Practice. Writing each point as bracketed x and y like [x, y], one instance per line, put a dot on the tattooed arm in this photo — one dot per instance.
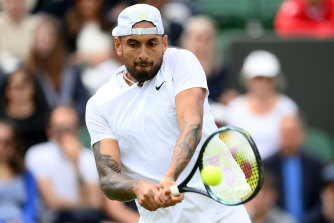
[189, 110]
[117, 186]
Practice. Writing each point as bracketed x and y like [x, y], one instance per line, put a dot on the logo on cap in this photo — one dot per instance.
[142, 16]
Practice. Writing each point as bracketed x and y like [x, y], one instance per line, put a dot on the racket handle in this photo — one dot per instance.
[175, 190]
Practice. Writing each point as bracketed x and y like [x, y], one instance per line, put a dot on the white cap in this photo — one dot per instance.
[261, 63]
[137, 13]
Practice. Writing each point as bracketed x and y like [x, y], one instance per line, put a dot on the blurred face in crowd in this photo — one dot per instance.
[261, 85]
[16, 9]
[20, 88]
[63, 121]
[89, 8]
[200, 38]
[142, 54]
[291, 135]
[46, 37]
[6, 142]
[327, 197]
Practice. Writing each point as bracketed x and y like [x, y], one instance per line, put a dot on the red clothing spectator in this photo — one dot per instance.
[312, 18]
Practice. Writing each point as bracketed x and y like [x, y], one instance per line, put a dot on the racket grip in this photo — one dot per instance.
[175, 190]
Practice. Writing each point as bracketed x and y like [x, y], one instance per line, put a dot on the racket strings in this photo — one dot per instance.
[231, 152]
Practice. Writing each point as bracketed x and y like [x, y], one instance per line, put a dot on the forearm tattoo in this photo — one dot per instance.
[187, 142]
[115, 185]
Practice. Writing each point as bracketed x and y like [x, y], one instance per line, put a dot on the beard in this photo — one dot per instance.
[144, 75]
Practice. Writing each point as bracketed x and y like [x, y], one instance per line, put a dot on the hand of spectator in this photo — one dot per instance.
[71, 147]
[147, 195]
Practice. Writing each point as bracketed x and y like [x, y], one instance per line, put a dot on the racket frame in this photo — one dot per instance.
[182, 187]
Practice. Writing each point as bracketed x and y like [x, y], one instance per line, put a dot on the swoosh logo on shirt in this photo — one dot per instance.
[158, 87]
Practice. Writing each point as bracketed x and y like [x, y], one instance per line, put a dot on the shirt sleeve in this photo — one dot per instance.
[34, 159]
[97, 125]
[187, 71]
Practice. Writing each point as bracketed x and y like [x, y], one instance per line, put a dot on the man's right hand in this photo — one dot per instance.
[147, 195]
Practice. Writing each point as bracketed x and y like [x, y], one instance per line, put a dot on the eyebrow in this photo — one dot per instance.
[134, 40]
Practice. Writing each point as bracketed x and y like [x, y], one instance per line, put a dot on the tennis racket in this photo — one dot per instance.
[234, 152]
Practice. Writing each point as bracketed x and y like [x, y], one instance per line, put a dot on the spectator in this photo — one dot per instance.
[120, 211]
[65, 171]
[175, 15]
[100, 60]
[18, 192]
[325, 212]
[82, 15]
[261, 109]
[263, 208]
[17, 28]
[298, 172]
[23, 102]
[200, 37]
[60, 82]
[305, 18]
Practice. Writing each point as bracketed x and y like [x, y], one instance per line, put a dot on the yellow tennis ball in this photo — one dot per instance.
[211, 175]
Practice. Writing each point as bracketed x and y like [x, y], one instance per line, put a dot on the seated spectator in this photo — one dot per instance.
[65, 171]
[175, 15]
[47, 61]
[22, 102]
[305, 18]
[18, 192]
[263, 106]
[262, 208]
[298, 173]
[17, 28]
[200, 37]
[120, 211]
[99, 57]
[325, 212]
[82, 15]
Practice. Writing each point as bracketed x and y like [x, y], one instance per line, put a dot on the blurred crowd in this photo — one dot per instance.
[54, 54]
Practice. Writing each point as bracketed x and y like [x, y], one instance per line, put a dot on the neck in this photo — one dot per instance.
[262, 103]
[5, 171]
[20, 110]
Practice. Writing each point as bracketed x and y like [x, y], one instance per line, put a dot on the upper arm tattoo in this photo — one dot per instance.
[105, 162]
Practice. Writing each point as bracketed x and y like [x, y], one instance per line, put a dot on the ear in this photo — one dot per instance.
[164, 42]
[118, 46]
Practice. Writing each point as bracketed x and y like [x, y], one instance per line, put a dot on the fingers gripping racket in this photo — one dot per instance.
[234, 152]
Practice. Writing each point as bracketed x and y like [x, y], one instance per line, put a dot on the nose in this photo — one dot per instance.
[143, 54]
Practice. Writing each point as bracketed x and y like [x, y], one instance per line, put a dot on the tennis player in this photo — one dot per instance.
[148, 122]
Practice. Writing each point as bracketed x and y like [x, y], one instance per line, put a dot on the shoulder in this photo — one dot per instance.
[41, 151]
[309, 159]
[237, 102]
[287, 104]
[109, 89]
[178, 55]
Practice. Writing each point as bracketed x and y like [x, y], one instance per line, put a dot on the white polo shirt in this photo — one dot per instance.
[143, 121]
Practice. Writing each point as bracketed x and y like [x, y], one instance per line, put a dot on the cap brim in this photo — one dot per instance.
[114, 32]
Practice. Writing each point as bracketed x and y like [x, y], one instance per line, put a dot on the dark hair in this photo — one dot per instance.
[53, 65]
[16, 161]
[68, 105]
[75, 20]
[38, 96]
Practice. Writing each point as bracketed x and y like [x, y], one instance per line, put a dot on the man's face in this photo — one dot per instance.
[142, 54]
[63, 121]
